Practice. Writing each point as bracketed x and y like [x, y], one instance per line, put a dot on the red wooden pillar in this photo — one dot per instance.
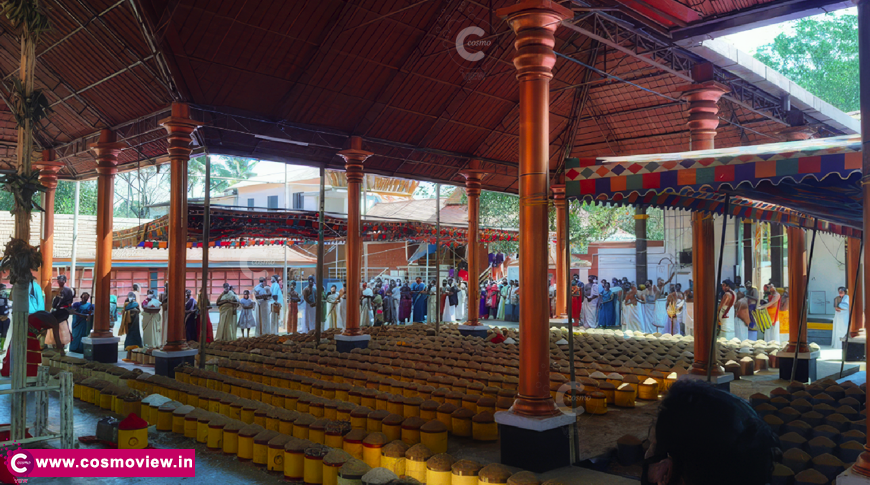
[562, 254]
[703, 121]
[180, 126]
[354, 157]
[472, 190]
[106, 150]
[535, 23]
[797, 281]
[48, 169]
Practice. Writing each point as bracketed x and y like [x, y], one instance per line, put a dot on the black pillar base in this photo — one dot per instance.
[806, 368]
[537, 450]
[856, 350]
[102, 350]
[473, 331]
[166, 362]
[345, 343]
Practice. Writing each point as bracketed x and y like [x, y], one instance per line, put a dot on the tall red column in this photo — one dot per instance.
[534, 22]
[797, 281]
[862, 465]
[856, 297]
[562, 254]
[354, 157]
[704, 278]
[106, 150]
[180, 126]
[48, 169]
[703, 121]
[472, 190]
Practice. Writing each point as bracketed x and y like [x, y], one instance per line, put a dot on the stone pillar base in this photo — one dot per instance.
[856, 350]
[166, 362]
[722, 382]
[535, 444]
[806, 366]
[849, 477]
[473, 330]
[346, 343]
[103, 350]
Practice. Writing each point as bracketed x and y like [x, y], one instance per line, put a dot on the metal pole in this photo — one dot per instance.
[715, 332]
[803, 313]
[318, 312]
[285, 306]
[203, 297]
[568, 307]
[851, 308]
[75, 236]
[437, 260]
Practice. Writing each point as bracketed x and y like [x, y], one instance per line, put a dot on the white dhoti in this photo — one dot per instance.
[449, 314]
[772, 333]
[274, 320]
[589, 313]
[649, 317]
[689, 318]
[151, 329]
[264, 325]
[741, 330]
[727, 330]
[309, 320]
[661, 315]
[841, 327]
[342, 313]
[634, 318]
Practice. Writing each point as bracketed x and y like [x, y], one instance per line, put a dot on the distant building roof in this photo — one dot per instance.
[421, 210]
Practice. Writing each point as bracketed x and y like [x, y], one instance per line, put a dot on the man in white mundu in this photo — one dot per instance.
[263, 296]
[725, 313]
[151, 327]
[633, 312]
[590, 306]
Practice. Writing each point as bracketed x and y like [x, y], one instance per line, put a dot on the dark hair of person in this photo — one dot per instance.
[714, 437]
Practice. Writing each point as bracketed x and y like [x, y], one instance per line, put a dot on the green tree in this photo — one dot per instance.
[820, 54]
[426, 190]
[225, 171]
[64, 198]
[136, 191]
[587, 222]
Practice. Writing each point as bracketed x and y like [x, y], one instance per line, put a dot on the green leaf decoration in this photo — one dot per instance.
[22, 188]
[26, 15]
[20, 259]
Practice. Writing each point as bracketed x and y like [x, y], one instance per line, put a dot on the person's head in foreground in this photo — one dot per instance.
[705, 436]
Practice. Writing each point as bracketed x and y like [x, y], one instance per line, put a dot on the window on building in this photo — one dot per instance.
[250, 202]
[273, 202]
[299, 200]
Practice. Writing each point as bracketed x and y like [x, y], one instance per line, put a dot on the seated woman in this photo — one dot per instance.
[38, 323]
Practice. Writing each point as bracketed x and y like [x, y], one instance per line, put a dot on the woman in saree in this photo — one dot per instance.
[227, 304]
[331, 308]
[130, 322]
[504, 295]
[607, 308]
[82, 312]
[405, 303]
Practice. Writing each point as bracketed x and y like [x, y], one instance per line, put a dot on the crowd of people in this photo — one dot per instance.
[651, 307]
[662, 307]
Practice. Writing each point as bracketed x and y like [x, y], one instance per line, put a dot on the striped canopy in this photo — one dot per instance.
[812, 183]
